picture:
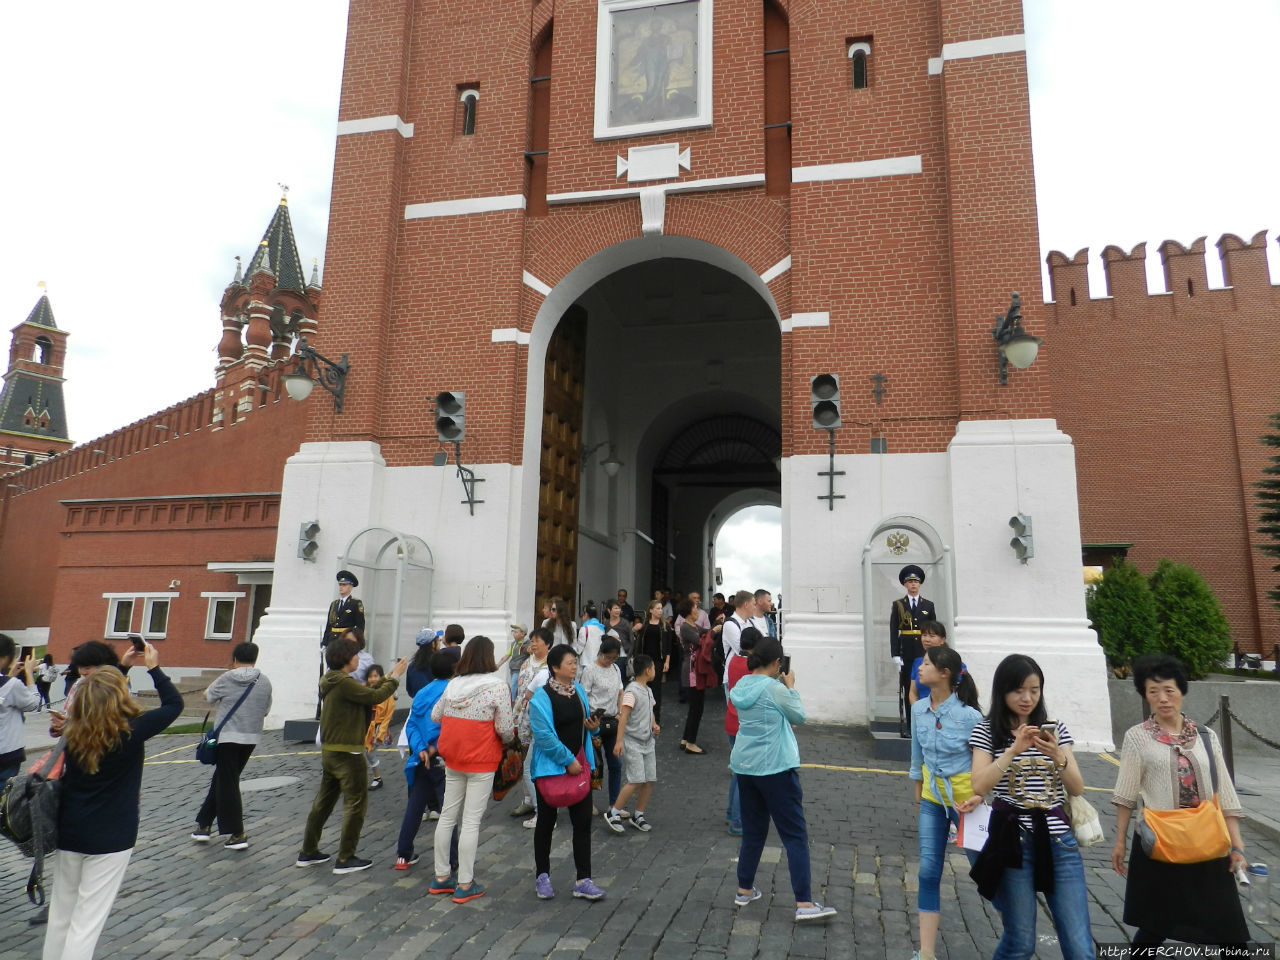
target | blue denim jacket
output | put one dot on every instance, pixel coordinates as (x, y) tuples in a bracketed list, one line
[(940, 738)]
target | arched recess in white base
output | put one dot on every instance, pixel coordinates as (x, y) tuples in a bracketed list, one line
[(563, 295), (924, 547)]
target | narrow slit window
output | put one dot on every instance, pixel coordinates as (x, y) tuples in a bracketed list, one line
[(860, 63), (470, 98)]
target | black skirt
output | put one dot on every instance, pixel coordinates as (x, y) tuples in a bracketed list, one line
[(1191, 902)]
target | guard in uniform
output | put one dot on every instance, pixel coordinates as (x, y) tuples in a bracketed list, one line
[(905, 620), (344, 613)]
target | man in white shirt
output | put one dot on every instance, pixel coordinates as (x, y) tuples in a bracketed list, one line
[(762, 621), (744, 607)]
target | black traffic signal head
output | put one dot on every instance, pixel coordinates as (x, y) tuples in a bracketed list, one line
[(451, 410), (824, 399)]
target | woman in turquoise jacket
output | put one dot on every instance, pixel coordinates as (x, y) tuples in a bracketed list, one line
[(766, 759), (561, 721)]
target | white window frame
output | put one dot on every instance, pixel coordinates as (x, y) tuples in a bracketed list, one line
[(213, 599), (113, 600), (147, 606), (137, 598), (604, 22)]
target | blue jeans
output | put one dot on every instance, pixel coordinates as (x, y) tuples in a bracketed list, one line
[(1068, 904), (733, 812), (935, 830), (778, 796)]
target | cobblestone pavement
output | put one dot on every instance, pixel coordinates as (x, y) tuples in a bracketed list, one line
[(669, 892)]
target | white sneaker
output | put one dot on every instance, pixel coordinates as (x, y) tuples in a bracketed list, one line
[(815, 912), (530, 823)]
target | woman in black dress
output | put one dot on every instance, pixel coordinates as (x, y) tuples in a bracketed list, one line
[(655, 642)]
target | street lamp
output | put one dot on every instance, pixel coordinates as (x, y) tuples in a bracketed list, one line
[(1017, 347), (312, 368)]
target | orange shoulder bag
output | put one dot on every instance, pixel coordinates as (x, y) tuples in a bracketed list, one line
[(1188, 835)]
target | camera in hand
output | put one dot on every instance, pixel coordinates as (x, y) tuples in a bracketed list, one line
[(786, 665)]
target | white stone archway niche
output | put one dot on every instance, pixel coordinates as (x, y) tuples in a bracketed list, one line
[(880, 587), (395, 571)]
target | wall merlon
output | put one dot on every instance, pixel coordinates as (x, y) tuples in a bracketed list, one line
[(1244, 269)]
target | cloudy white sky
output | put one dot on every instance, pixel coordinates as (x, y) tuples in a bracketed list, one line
[(146, 140)]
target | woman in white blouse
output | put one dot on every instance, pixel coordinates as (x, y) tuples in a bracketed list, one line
[(1166, 761)]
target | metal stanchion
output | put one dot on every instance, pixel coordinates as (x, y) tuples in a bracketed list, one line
[(1224, 713)]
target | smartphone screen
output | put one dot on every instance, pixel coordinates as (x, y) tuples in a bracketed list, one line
[(137, 641)]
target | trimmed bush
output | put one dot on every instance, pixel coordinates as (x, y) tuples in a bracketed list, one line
[(1123, 611), (1190, 623)]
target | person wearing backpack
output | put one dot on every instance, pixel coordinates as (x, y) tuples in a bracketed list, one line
[(98, 811), (242, 699), (45, 675), (17, 697)]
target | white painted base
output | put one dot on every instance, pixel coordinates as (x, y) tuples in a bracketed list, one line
[(839, 568)]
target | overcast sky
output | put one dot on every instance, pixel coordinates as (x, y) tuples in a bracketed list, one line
[(146, 141)]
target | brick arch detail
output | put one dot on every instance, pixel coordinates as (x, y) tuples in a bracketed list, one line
[(752, 230)]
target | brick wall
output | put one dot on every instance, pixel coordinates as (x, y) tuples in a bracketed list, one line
[(1165, 395)]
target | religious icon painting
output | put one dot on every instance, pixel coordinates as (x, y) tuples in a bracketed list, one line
[(653, 66)]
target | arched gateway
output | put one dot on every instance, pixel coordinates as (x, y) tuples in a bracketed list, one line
[(675, 247)]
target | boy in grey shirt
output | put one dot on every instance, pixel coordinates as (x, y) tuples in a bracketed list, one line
[(235, 744), (636, 747)]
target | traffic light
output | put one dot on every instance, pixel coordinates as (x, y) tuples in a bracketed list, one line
[(824, 398), (1023, 548), (307, 545), (451, 411)]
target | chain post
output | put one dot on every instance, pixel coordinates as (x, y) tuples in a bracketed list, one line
[(1224, 711)]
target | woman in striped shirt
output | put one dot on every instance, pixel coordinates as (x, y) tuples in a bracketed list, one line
[(1022, 759)]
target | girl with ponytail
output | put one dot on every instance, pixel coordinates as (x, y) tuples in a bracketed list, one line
[(940, 763)]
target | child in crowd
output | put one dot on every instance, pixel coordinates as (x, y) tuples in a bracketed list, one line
[(379, 731), (424, 768), (932, 634), (636, 747), (517, 654)]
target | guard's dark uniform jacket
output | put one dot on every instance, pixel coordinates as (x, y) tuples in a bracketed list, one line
[(904, 629), (343, 616)]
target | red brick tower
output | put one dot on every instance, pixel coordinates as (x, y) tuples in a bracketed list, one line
[(263, 309), (33, 414), (642, 228)]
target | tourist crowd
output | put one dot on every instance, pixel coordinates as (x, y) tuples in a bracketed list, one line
[(575, 705)]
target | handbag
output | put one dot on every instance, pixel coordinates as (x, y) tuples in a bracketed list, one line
[(1189, 835), (510, 769), (1085, 822), (29, 814), (207, 748), (566, 789)]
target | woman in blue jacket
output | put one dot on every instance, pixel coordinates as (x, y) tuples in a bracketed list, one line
[(941, 724), (766, 759), (562, 725)]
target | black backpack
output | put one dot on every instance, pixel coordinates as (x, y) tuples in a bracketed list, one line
[(717, 649), (29, 817)]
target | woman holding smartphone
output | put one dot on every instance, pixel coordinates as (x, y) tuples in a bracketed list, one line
[(1022, 759)]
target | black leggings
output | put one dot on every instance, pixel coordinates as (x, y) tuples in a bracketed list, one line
[(580, 817), (697, 698)]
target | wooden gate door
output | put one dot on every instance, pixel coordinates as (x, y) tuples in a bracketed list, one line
[(561, 470)]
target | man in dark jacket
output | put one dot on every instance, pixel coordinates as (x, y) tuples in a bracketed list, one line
[(909, 613), (343, 721)]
